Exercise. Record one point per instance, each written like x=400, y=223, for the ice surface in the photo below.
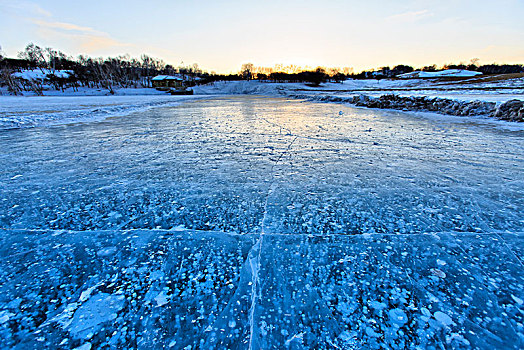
x=20, y=112
x=209, y=165
x=240, y=222
x=314, y=291
x=158, y=287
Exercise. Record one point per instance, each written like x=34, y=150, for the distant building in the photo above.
x=167, y=81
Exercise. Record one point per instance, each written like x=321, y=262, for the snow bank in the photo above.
x=451, y=73
x=512, y=110
x=20, y=112
x=40, y=74
x=242, y=88
x=505, y=108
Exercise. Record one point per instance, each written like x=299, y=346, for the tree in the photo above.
x=34, y=54
x=196, y=69
x=474, y=64
x=432, y=68
x=339, y=77
x=455, y=66
x=6, y=77
x=247, y=71
x=402, y=69
x=347, y=70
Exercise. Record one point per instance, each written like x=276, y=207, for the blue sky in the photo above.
x=221, y=35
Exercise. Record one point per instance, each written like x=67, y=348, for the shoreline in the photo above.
x=510, y=111
x=54, y=106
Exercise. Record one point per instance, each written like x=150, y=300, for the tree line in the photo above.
x=84, y=71
x=322, y=74
x=493, y=68
x=128, y=72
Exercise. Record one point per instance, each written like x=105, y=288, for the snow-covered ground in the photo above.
x=259, y=222
x=84, y=91
x=43, y=73
x=446, y=73
x=23, y=111
x=484, y=91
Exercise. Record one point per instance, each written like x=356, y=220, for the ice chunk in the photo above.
x=398, y=317
x=4, y=316
x=98, y=309
x=377, y=305
x=161, y=299
x=371, y=333
x=87, y=293
x=443, y=318
x=438, y=273
x=106, y=251
x=441, y=262
x=86, y=346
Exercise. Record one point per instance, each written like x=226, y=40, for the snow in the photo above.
x=224, y=221
x=166, y=77
x=43, y=73
x=500, y=91
x=20, y=112
x=440, y=74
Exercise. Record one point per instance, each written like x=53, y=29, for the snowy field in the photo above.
x=500, y=91
x=249, y=222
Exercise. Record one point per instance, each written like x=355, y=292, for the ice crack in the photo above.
x=254, y=262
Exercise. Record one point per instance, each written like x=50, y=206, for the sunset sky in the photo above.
x=221, y=35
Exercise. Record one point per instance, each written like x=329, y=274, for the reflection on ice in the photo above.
x=208, y=165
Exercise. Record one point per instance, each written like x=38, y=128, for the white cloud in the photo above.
x=76, y=37
x=21, y=7
x=410, y=16
x=86, y=39
x=64, y=26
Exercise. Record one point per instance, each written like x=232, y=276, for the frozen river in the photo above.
x=251, y=222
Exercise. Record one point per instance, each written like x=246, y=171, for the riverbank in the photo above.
x=512, y=110
x=504, y=101
x=486, y=100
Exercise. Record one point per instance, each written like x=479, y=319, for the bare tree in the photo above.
x=6, y=77
x=34, y=54
x=247, y=71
